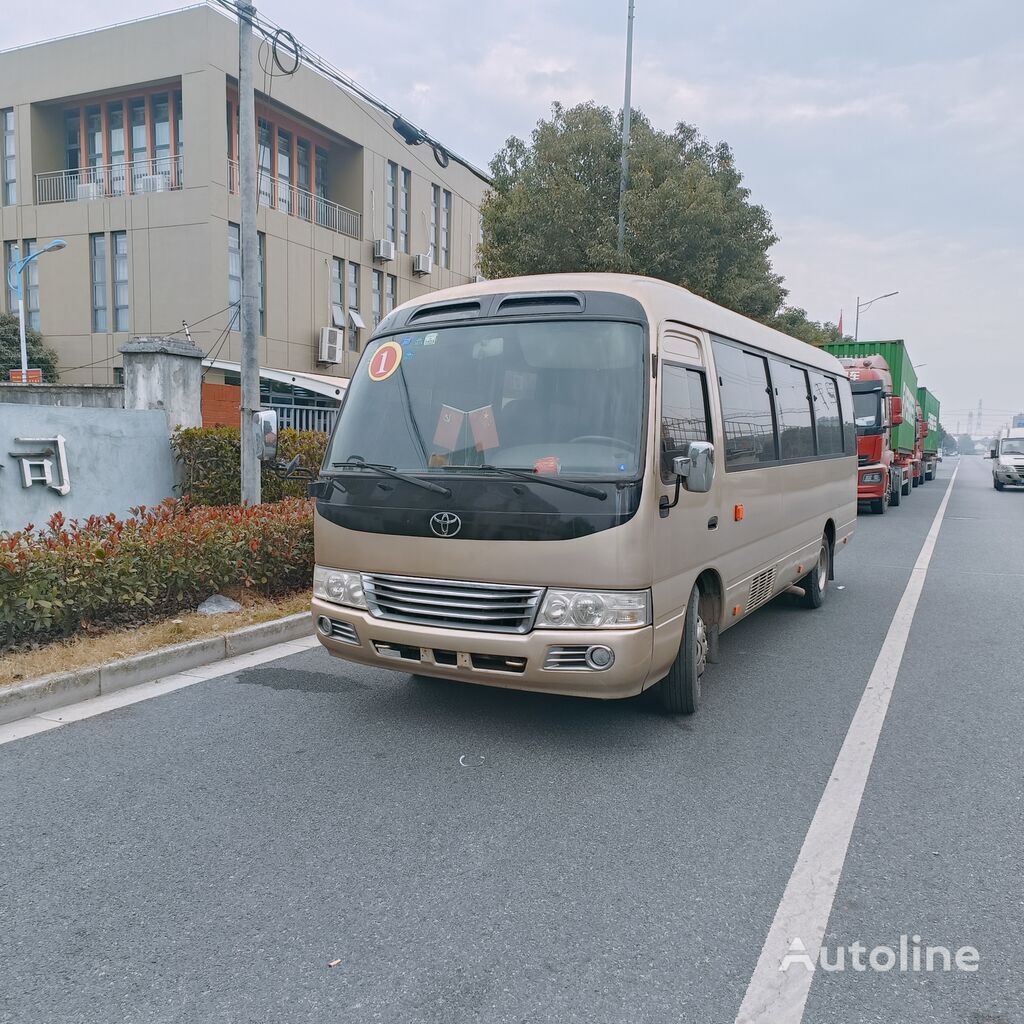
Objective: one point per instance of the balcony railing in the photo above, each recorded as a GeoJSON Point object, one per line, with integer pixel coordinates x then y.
{"type": "Point", "coordinates": [283, 196]}
{"type": "Point", "coordinates": [137, 177]}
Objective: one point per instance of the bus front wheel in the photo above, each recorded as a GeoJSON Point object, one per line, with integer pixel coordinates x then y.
{"type": "Point", "coordinates": [679, 691]}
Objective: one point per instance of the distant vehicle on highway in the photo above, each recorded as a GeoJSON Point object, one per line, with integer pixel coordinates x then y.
{"type": "Point", "coordinates": [574, 483]}
{"type": "Point", "coordinates": [1008, 459]}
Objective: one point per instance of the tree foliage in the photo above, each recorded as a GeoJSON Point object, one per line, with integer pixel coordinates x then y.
{"type": "Point", "coordinates": [794, 321]}
{"type": "Point", "coordinates": [39, 356]}
{"type": "Point", "coordinates": [689, 219]}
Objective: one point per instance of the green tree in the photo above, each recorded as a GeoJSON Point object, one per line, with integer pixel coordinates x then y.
{"type": "Point", "coordinates": [689, 220]}
{"type": "Point", "coordinates": [39, 356]}
{"type": "Point", "coordinates": [794, 321]}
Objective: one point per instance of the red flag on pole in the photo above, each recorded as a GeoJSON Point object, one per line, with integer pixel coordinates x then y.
{"type": "Point", "coordinates": [840, 324]}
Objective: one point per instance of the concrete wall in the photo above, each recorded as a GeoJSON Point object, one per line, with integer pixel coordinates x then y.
{"type": "Point", "coordinates": [114, 459]}
{"type": "Point", "coordinates": [70, 396]}
{"type": "Point", "coordinates": [178, 262]}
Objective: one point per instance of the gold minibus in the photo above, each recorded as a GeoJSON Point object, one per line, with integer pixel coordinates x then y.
{"type": "Point", "coordinates": [574, 483]}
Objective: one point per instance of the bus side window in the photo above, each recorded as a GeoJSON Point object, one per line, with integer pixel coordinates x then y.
{"type": "Point", "coordinates": [684, 414]}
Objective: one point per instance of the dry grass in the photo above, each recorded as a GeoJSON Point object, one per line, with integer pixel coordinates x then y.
{"type": "Point", "coordinates": [87, 651]}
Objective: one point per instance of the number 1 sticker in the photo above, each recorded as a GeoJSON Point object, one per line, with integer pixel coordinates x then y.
{"type": "Point", "coordinates": [385, 361]}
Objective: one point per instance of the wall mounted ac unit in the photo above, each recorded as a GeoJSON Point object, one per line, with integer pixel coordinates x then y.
{"type": "Point", "coordinates": [422, 264]}
{"type": "Point", "coordinates": [383, 250]}
{"type": "Point", "coordinates": [89, 190]}
{"type": "Point", "coordinates": [152, 183]}
{"type": "Point", "coordinates": [331, 339]}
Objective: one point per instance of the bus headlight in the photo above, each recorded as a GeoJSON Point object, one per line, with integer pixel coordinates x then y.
{"type": "Point", "coordinates": [339, 586]}
{"type": "Point", "coordinates": [873, 477]}
{"type": "Point", "coordinates": [591, 609]}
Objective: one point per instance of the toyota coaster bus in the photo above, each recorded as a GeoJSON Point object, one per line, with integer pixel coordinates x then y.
{"type": "Point", "coordinates": [574, 483]}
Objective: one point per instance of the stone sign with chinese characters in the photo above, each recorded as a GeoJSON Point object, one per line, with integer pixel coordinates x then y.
{"type": "Point", "coordinates": [81, 462]}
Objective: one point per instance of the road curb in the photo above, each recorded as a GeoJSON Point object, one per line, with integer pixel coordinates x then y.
{"type": "Point", "coordinates": [45, 693]}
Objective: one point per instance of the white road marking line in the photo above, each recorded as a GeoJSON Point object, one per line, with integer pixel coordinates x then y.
{"type": "Point", "coordinates": [83, 709]}
{"type": "Point", "coordinates": [775, 996]}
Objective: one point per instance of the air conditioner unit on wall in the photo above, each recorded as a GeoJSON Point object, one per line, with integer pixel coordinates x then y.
{"type": "Point", "coordinates": [383, 250]}
{"type": "Point", "coordinates": [422, 264]}
{"type": "Point", "coordinates": [331, 345]}
{"type": "Point", "coordinates": [152, 183]}
{"type": "Point", "coordinates": [89, 190]}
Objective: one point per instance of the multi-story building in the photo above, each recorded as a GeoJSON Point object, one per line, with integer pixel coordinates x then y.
{"type": "Point", "coordinates": [124, 142]}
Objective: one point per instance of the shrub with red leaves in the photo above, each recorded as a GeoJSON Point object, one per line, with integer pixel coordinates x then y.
{"type": "Point", "coordinates": [104, 571]}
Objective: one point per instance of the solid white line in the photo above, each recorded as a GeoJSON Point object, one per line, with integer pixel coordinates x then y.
{"type": "Point", "coordinates": [83, 709]}
{"type": "Point", "coordinates": [776, 996]}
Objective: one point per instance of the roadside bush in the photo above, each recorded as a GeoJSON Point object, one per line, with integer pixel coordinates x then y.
{"type": "Point", "coordinates": [105, 571]}
{"type": "Point", "coordinates": [210, 461]}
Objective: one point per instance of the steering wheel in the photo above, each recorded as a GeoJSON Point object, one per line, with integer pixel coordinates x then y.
{"type": "Point", "coordinates": [601, 437]}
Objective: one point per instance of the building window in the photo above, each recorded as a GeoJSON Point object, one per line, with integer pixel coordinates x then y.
{"type": "Point", "coordinates": [284, 171]}
{"type": "Point", "coordinates": [72, 141]}
{"type": "Point", "coordinates": [262, 280]}
{"type": "Point", "coordinates": [446, 227]}
{"type": "Point", "coordinates": [10, 167]}
{"type": "Point", "coordinates": [115, 123]}
{"type": "Point", "coordinates": [391, 295]}
{"type": "Point", "coordinates": [265, 174]}
{"type": "Point", "coordinates": [179, 118]}
{"type": "Point", "coordinates": [162, 135]}
{"type": "Point", "coordinates": [321, 172]}
{"type": "Point", "coordinates": [302, 177]}
{"type": "Point", "coordinates": [11, 255]}
{"type": "Point", "coordinates": [337, 296]}
{"type": "Point", "coordinates": [353, 305]}
{"type": "Point", "coordinates": [435, 221]}
{"type": "Point", "coordinates": [98, 266]}
{"type": "Point", "coordinates": [378, 287]}
{"type": "Point", "coordinates": [234, 273]}
{"type": "Point", "coordinates": [140, 143]}
{"type": "Point", "coordinates": [119, 248]}
{"type": "Point", "coordinates": [30, 282]}
{"type": "Point", "coordinates": [390, 203]}
{"type": "Point", "coordinates": [403, 210]}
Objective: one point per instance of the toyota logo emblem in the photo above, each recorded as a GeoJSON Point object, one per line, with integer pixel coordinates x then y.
{"type": "Point", "coordinates": [445, 524]}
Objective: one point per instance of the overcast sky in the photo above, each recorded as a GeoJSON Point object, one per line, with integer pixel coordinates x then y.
{"type": "Point", "coordinates": [886, 140]}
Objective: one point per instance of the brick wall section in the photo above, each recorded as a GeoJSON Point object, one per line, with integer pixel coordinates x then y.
{"type": "Point", "coordinates": [221, 405]}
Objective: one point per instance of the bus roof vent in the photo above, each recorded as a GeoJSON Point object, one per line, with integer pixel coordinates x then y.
{"type": "Point", "coordinates": [446, 311]}
{"type": "Point", "coordinates": [538, 302]}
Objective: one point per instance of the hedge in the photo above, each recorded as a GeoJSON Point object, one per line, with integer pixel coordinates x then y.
{"type": "Point", "coordinates": [57, 580]}
{"type": "Point", "coordinates": [209, 457]}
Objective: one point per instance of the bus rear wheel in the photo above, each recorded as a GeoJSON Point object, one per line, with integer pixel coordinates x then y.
{"type": "Point", "coordinates": [679, 691]}
{"type": "Point", "coordinates": [815, 582]}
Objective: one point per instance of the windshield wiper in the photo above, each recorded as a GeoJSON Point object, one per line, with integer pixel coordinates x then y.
{"type": "Point", "coordinates": [355, 462]}
{"type": "Point", "coordinates": [534, 477]}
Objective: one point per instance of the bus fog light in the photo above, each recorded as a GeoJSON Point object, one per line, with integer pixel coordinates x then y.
{"type": "Point", "coordinates": [600, 658]}
{"type": "Point", "coordinates": [588, 609]}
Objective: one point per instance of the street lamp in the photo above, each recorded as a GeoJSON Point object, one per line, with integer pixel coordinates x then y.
{"type": "Point", "coordinates": [866, 305]}
{"type": "Point", "coordinates": [14, 279]}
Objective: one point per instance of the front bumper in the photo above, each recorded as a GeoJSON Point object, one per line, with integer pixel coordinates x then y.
{"type": "Point", "coordinates": [512, 660]}
{"type": "Point", "coordinates": [872, 491]}
{"type": "Point", "coordinates": [1010, 477]}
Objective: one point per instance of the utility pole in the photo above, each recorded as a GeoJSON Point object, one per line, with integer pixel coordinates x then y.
{"type": "Point", "coordinates": [856, 322]}
{"type": "Point", "coordinates": [626, 117]}
{"type": "Point", "coordinates": [249, 306]}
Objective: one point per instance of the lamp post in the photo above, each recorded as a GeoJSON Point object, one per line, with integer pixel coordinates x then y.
{"type": "Point", "coordinates": [866, 305]}
{"type": "Point", "coordinates": [14, 279]}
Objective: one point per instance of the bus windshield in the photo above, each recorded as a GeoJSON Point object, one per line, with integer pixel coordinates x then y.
{"type": "Point", "coordinates": [563, 398]}
{"type": "Point", "coordinates": [867, 408]}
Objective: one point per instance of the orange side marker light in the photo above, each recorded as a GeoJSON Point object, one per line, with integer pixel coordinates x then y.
{"type": "Point", "coordinates": [737, 511]}
{"type": "Point", "coordinates": [737, 609]}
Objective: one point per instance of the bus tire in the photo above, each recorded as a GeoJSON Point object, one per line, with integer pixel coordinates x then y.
{"type": "Point", "coordinates": [878, 506]}
{"type": "Point", "coordinates": [815, 582]}
{"type": "Point", "coordinates": [679, 691]}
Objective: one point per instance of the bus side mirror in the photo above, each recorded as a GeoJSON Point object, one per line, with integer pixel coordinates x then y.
{"type": "Point", "coordinates": [993, 454]}
{"type": "Point", "coordinates": [697, 467]}
{"type": "Point", "coordinates": [897, 411]}
{"type": "Point", "coordinates": [265, 426]}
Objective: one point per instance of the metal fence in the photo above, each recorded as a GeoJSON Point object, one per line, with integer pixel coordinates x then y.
{"type": "Point", "coordinates": [137, 177]}
{"type": "Point", "coordinates": [305, 417]}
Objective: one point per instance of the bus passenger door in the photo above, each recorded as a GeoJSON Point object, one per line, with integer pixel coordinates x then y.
{"type": "Point", "coordinates": [686, 536]}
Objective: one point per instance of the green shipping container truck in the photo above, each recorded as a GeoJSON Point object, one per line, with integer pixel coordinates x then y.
{"type": "Point", "coordinates": [930, 410]}
{"type": "Point", "coordinates": [904, 383]}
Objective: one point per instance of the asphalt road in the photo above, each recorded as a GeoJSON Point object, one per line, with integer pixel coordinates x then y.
{"type": "Point", "coordinates": [205, 855]}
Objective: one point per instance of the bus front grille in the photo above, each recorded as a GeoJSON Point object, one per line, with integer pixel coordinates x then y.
{"type": "Point", "coordinates": [452, 604]}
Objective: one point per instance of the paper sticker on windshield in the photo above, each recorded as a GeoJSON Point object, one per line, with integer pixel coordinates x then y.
{"type": "Point", "coordinates": [385, 361]}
